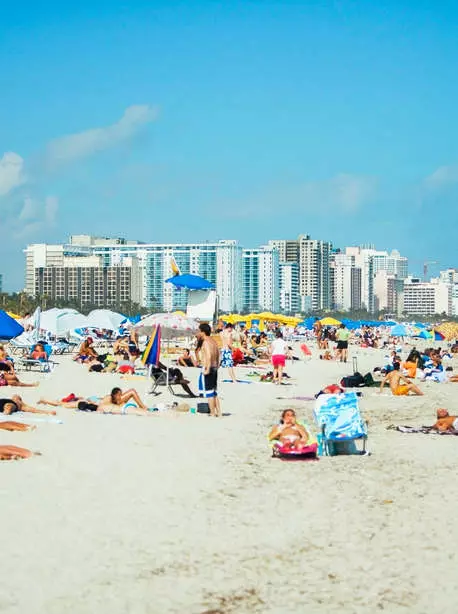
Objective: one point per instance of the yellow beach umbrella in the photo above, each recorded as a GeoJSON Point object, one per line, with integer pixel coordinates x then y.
{"type": "Point", "coordinates": [449, 330]}
{"type": "Point", "coordinates": [179, 313]}
{"type": "Point", "coordinates": [330, 322]}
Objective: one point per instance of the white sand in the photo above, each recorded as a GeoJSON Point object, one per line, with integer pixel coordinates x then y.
{"type": "Point", "coordinates": [182, 513]}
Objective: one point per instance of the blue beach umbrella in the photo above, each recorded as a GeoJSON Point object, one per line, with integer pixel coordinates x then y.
{"type": "Point", "coordinates": [399, 331]}
{"type": "Point", "coordinates": [9, 327]}
{"type": "Point", "coordinates": [191, 282]}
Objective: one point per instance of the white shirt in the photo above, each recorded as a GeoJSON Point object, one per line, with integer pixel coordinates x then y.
{"type": "Point", "coordinates": [278, 347]}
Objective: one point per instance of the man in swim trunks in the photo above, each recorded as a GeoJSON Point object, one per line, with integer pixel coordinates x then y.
{"type": "Point", "coordinates": [399, 384]}
{"type": "Point", "coordinates": [288, 432]}
{"type": "Point", "coordinates": [210, 363]}
{"type": "Point", "coordinates": [445, 422]}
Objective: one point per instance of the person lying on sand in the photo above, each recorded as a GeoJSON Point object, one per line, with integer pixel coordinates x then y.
{"type": "Point", "coordinates": [399, 384]}
{"type": "Point", "coordinates": [288, 432]}
{"type": "Point", "coordinates": [15, 453]}
{"type": "Point", "coordinates": [11, 406]}
{"type": "Point", "coordinates": [8, 374]}
{"type": "Point", "coordinates": [445, 422]}
{"type": "Point", "coordinates": [10, 425]}
{"type": "Point", "coordinates": [117, 402]}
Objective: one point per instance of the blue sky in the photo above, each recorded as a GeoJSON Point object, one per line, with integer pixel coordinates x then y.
{"type": "Point", "coordinates": [185, 121]}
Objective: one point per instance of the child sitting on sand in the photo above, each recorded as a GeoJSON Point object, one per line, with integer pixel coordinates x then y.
{"type": "Point", "coordinates": [288, 432]}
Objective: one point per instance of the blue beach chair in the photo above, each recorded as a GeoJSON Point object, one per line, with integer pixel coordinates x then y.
{"type": "Point", "coordinates": [341, 424]}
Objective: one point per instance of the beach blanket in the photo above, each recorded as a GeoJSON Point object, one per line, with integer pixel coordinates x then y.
{"type": "Point", "coordinates": [25, 417]}
{"type": "Point", "coordinates": [426, 430]}
{"type": "Point", "coordinates": [295, 398]}
{"type": "Point", "coordinates": [239, 381]}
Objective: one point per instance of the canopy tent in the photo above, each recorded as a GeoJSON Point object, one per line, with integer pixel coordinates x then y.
{"type": "Point", "coordinates": [9, 327]}
{"type": "Point", "coordinates": [105, 318]}
{"type": "Point", "coordinates": [190, 282]}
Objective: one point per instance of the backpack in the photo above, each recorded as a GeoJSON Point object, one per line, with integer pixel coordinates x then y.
{"type": "Point", "coordinates": [352, 381]}
{"type": "Point", "coordinates": [369, 380]}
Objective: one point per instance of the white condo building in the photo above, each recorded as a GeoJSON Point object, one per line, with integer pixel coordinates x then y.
{"type": "Point", "coordinates": [289, 287]}
{"type": "Point", "coordinates": [450, 276]}
{"type": "Point", "coordinates": [219, 262]}
{"type": "Point", "coordinates": [261, 274]}
{"type": "Point", "coordinates": [345, 282]}
{"type": "Point", "coordinates": [427, 298]}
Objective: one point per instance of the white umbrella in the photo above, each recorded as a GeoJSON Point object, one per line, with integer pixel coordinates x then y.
{"type": "Point", "coordinates": [48, 319]}
{"type": "Point", "coordinates": [61, 321]}
{"type": "Point", "coordinates": [105, 318]}
{"type": "Point", "coordinates": [172, 325]}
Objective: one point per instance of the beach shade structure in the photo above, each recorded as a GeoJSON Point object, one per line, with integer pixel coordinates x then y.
{"type": "Point", "coordinates": [400, 330]}
{"type": "Point", "coordinates": [13, 315]}
{"type": "Point", "coordinates": [190, 282]}
{"type": "Point", "coordinates": [424, 334]}
{"type": "Point", "coordinates": [61, 321]}
{"type": "Point", "coordinates": [105, 318]}
{"type": "Point", "coordinates": [307, 323]}
{"type": "Point", "coordinates": [330, 322]}
{"type": "Point", "coordinates": [449, 330]}
{"type": "Point", "coordinates": [351, 324]}
{"type": "Point", "coordinates": [438, 336]}
{"type": "Point", "coordinates": [9, 327]}
{"type": "Point", "coordinates": [172, 326]}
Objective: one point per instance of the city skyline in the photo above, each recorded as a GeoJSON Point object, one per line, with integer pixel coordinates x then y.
{"type": "Point", "coordinates": [173, 121]}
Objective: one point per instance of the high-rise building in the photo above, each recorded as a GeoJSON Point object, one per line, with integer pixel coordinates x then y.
{"type": "Point", "coordinates": [346, 280]}
{"type": "Point", "coordinates": [261, 275]}
{"type": "Point", "coordinates": [219, 262]}
{"type": "Point", "coordinates": [450, 276]}
{"type": "Point", "coordinates": [289, 287]}
{"type": "Point", "coordinates": [388, 291]}
{"type": "Point", "coordinates": [312, 258]}
{"type": "Point", "coordinates": [427, 298]}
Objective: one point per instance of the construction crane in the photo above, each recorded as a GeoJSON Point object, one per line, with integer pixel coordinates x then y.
{"type": "Point", "coordinates": [425, 268]}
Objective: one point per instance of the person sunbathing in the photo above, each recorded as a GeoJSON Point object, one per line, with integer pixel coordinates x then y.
{"type": "Point", "coordinates": [399, 384]}
{"type": "Point", "coordinates": [10, 425]}
{"type": "Point", "coordinates": [8, 374]}
{"type": "Point", "coordinates": [14, 453]}
{"type": "Point", "coordinates": [117, 402]}
{"type": "Point", "coordinates": [445, 422]}
{"type": "Point", "coordinates": [289, 433]}
{"type": "Point", "coordinates": [38, 353]}
{"type": "Point", "coordinates": [11, 406]}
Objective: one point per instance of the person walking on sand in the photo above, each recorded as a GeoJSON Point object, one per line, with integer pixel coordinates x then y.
{"type": "Point", "coordinates": [278, 351]}
{"type": "Point", "coordinates": [226, 351]}
{"type": "Point", "coordinates": [399, 384]}
{"type": "Point", "coordinates": [208, 383]}
{"type": "Point", "coordinates": [342, 337]}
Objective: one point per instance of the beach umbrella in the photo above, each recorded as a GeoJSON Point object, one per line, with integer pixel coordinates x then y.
{"type": "Point", "coordinates": [105, 318]}
{"type": "Point", "coordinates": [61, 321]}
{"type": "Point", "coordinates": [152, 350]}
{"type": "Point", "coordinates": [400, 330]}
{"type": "Point", "coordinates": [9, 327]}
{"type": "Point", "coordinates": [449, 330]}
{"type": "Point", "coordinates": [190, 282]}
{"type": "Point", "coordinates": [171, 325]}
{"type": "Point", "coordinates": [424, 334]}
{"type": "Point", "coordinates": [13, 315]}
{"type": "Point", "coordinates": [48, 319]}
{"type": "Point", "coordinates": [330, 322]}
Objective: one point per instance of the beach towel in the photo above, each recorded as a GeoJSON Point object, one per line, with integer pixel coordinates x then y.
{"type": "Point", "coordinates": [25, 417]}
{"type": "Point", "coordinates": [239, 381]}
{"type": "Point", "coordinates": [426, 430]}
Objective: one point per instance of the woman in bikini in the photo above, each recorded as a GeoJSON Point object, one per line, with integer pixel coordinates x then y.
{"type": "Point", "coordinates": [15, 403]}
{"type": "Point", "coordinates": [117, 402]}
{"type": "Point", "coordinates": [289, 433]}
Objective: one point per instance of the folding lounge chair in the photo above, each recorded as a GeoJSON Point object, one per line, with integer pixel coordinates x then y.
{"type": "Point", "coordinates": [160, 379]}
{"type": "Point", "coordinates": [31, 364]}
{"type": "Point", "coordinates": [341, 423]}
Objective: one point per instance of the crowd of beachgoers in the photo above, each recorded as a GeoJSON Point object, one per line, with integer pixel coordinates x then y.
{"type": "Point", "coordinates": [225, 347]}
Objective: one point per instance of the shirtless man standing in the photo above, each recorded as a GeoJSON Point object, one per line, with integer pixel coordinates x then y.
{"type": "Point", "coordinates": [318, 330]}
{"type": "Point", "coordinates": [395, 379]}
{"type": "Point", "coordinates": [210, 363]}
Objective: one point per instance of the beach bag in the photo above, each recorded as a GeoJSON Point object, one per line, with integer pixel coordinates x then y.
{"type": "Point", "coordinates": [369, 380]}
{"type": "Point", "coordinates": [352, 381]}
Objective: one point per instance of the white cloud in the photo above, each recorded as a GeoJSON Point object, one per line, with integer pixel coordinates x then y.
{"type": "Point", "coordinates": [442, 177]}
{"type": "Point", "coordinates": [29, 210]}
{"type": "Point", "coordinates": [34, 216]}
{"type": "Point", "coordinates": [350, 192]}
{"type": "Point", "coordinates": [11, 172]}
{"type": "Point", "coordinates": [83, 144]}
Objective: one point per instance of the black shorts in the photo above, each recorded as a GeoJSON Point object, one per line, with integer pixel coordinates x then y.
{"type": "Point", "coordinates": [208, 383]}
{"type": "Point", "coordinates": [342, 345]}
{"type": "Point", "coordinates": [85, 406]}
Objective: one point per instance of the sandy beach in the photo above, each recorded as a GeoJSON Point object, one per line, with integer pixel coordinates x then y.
{"type": "Point", "coordinates": [184, 513]}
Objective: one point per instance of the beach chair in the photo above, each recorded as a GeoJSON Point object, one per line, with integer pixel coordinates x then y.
{"type": "Point", "coordinates": [165, 378]}
{"type": "Point", "coordinates": [341, 424]}
{"type": "Point", "coordinates": [31, 364]}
